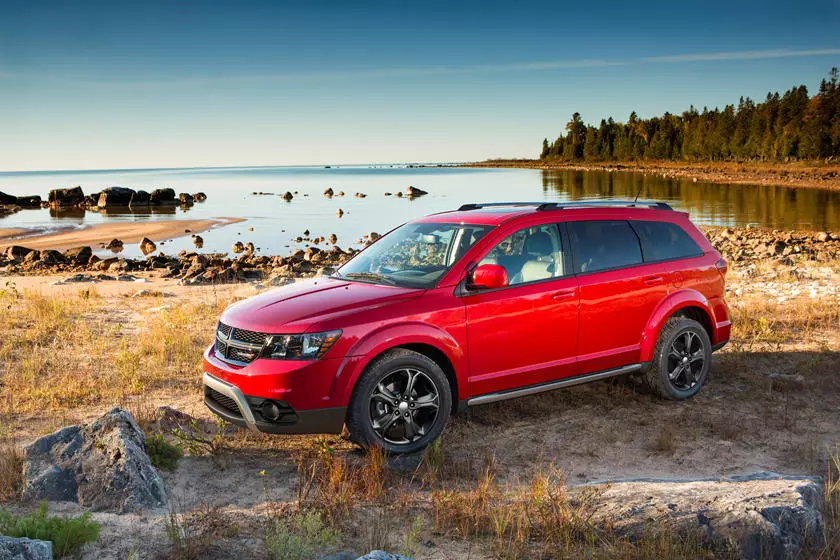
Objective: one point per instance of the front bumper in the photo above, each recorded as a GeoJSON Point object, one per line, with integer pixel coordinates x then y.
{"type": "Point", "coordinates": [231, 404]}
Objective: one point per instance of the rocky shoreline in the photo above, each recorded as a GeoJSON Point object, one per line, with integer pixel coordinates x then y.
{"type": "Point", "coordinates": [746, 173]}
{"type": "Point", "coordinates": [742, 248]}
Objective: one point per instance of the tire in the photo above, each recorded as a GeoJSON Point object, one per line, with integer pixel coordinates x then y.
{"type": "Point", "coordinates": [382, 414]}
{"type": "Point", "coordinates": [677, 373]}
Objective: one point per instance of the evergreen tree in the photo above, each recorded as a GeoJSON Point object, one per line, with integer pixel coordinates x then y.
{"type": "Point", "coordinates": [782, 127]}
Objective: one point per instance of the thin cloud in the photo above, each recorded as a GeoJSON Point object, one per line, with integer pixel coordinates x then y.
{"type": "Point", "coordinates": [741, 55]}
{"type": "Point", "coordinates": [350, 74]}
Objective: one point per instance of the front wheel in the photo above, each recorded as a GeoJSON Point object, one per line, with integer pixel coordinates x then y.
{"type": "Point", "coordinates": [681, 360]}
{"type": "Point", "coordinates": [401, 402]}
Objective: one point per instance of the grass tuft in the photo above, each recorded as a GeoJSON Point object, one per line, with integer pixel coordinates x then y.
{"type": "Point", "coordinates": [67, 534]}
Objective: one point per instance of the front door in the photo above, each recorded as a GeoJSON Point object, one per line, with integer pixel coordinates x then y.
{"type": "Point", "coordinates": [526, 333]}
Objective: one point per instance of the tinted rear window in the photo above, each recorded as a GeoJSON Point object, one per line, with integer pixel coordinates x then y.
{"type": "Point", "coordinates": [663, 241]}
{"type": "Point", "coordinates": [602, 245]}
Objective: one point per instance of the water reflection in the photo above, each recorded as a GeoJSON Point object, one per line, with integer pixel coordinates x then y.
{"type": "Point", "coordinates": [710, 203]}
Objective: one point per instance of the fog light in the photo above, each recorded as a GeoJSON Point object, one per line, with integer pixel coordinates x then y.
{"type": "Point", "coordinates": [270, 411]}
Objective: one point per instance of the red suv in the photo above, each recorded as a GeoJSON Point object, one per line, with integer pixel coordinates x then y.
{"type": "Point", "coordinates": [477, 305]}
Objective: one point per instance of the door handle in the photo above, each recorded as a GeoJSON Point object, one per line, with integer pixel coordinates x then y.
{"type": "Point", "coordinates": [564, 294]}
{"type": "Point", "coordinates": [653, 280]}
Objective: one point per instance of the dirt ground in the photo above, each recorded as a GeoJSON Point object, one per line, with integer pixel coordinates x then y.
{"type": "Point", "coordinates": [772, 403]}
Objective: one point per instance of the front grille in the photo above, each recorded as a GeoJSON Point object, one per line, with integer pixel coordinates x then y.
{"type": "Point", "coordinates": [224, 401]}
{"type": "Point", "coordinates": [238, 345]}
{"type": "Point", "coordinates": [241, 355]}
{"type": "Point", "coordinates": [250, 337]}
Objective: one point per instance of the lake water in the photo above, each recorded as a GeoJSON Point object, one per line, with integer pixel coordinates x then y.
{"type": "Point", "coordinates": [276, 222]}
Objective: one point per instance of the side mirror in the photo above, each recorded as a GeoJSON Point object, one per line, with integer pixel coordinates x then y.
{"type": "Point", "coordinates": [489, 277]}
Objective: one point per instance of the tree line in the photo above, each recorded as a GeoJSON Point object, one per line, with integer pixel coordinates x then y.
{"type": "Point", "coordinates": [784, 127]}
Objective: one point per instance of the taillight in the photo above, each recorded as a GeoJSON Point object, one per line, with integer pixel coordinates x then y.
{"type": "Point", "coordinates": [722, 266]}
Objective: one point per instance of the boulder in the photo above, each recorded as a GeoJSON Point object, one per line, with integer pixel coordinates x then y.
{"type": "Point", "coordinates": [7, 199]}
{"type": "Point", "coordinates": [287, 196]}
{"type": "Point", "coordinates": [31, 201]}
{"type": "Point", "coordinates": [329, 192]}
{"type": "Point", "coordinates": [52, 257]}
{"type": "Point", "coordinates": [115, 245]}
{"type": "Point", "coordinates": [185, 198]}
{"type": "Point", "coordinates": [162, 196]}
{"type": "Point", "coordinates": [79, 255]}
{"type": "Point", "coordinates": [139, 198]}
{"type": "Point", "coordinates": [238, 247]}
{"type": "Point", "coordinates": [16, 252]}
{"type": "Point", "coordinates": [66, 197]}
{"type": "Point", "coordinates": [414, 192]}
{"type": "Point", "coordinates": [198, 241]}
{"type": "Point", "coordinates": [199, 197]}
{"type": "Point", "coordinates": [24, 549]}
{"type": "Point", "coordinates": [764, 514]}
{"type": "Point", "coordinates": [147, 246]}
{"type": "Point", "coordinates": [101, 465]}
{"type": "Point", "coordinates": [115, 196]}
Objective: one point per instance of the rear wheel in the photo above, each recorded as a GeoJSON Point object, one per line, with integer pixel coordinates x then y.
{"type": "Point", "coordinates": [681, 360]}
{"type": "Point", "coordinates": [401, 402]}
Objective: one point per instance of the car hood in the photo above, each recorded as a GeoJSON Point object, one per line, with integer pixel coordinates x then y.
{"type": "Point", "coordinates": [295, 307]}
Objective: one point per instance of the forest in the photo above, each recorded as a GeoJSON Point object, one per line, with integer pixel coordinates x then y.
{"type": "Point", "coordinates": [787, 127]}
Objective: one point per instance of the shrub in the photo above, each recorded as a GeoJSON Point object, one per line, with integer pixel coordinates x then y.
{"type": "Point", "coordinates": [163, 454]}
{"type": "Point", "coordinates": [67, 534]}
{"type": "Point", "coordinates": [299, 537]}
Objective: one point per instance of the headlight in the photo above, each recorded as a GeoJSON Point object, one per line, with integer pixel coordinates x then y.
{"type": "Point", "coordinates": [299, 346]}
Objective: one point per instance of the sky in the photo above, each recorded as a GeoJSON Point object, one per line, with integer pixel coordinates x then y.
{"type": "Point", "coordinates": [112, 85]}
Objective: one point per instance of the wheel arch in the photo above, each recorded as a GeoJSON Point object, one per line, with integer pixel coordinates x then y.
{"type": "Point", "coordinates": [426, 340]}
{"type": "Point", "coordinates": [684, 303]}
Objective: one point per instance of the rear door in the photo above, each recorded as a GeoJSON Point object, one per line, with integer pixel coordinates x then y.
{"type": "Point", "coordinates": [618, 292]}
{"type": "Point", "coordinates": [526, 333]}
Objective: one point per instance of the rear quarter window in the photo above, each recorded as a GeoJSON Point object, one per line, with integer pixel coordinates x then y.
{"type": "Point", "coordinates": [662, 241]}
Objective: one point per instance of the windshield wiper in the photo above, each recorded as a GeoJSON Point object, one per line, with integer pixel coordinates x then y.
{"type": "Point", "coordinates": [370, 276]}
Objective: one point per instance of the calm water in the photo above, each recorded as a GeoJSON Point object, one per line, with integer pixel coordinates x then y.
{"type": "Point", "coordinates": [276, 222]}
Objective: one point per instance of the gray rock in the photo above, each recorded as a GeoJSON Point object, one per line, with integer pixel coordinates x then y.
{"type": "Point", "coordinates": [147, 246]}
{"type": "Point", "coordinates": [162, 196]}
{"type": "Point", "coordinates": [382, 555]}
{"type": "Point", "coordinates": [764, 515]}
{"type": "Point", "coordinates": [140, 198]}
{"type": "Point", "coordinates": [115, 196]}
{"type": "Point", "coordinates": [79, 255]}
{"type": "Point", "coordinates": [24, 549]}
{"type": "Point", "coordinates": [102, 465]}
{"type": "Point", "coordinates": [66, 197]}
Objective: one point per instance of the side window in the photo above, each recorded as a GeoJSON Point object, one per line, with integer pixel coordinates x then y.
{"type": "Point", "coordinates": [529, 255]}
{"type": "Point", "coordinates": [663, 240]}
{"type": "Point", "coordinates": [603, 244]}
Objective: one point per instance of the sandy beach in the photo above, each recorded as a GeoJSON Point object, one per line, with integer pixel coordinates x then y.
{"type": "Point", "coordinates": [127, 232]}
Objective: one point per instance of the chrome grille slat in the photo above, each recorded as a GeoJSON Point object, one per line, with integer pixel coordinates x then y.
{"type": "Point", "coordinates": [238, 346]}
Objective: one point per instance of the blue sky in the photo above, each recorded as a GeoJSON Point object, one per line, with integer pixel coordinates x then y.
{"type": "Point", "coordinates": [122, 84]}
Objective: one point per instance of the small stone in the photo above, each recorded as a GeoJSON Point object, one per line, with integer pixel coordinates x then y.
{"type": "Point", "coordinates": [238, 247]}
{"type": "Point", "coordinates": [287, 196]}
{"type": "Point", "coordinates": [339, 212]}
{"type": "Point", "coordinates": [147, 246]}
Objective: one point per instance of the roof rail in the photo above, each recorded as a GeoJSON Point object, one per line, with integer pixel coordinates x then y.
{"type": "Point", "coordinates": [476, 206]}
{"type": "Point", "coordinates": [542, 206]}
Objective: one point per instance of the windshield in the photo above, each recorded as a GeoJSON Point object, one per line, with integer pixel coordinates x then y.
{"type": "Point", "coordinates": [415, 255]}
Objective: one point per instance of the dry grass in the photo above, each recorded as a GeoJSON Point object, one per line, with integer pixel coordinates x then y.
{"type": "Point", "coordinates": [11, 470]}
{"type": "Point", "coordinates": [77, 351]}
